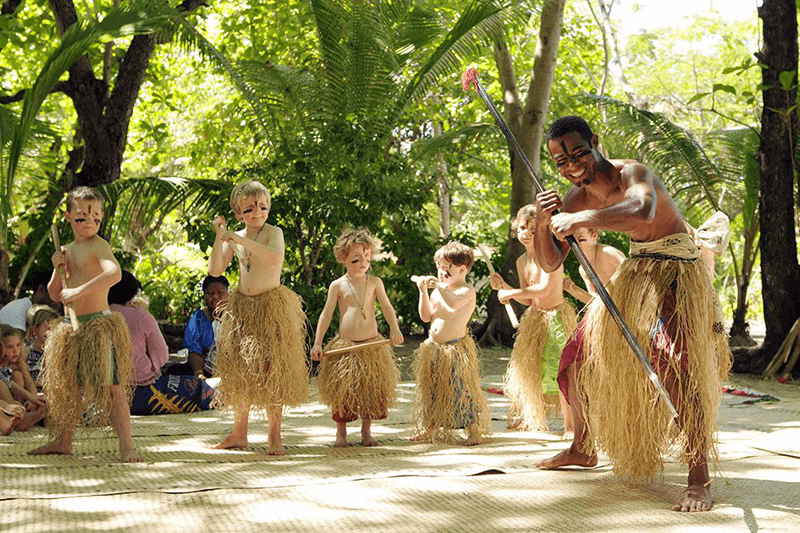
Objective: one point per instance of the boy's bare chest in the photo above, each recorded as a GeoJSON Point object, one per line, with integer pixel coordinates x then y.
{"type": "Point", "coordinates": [83, 264]}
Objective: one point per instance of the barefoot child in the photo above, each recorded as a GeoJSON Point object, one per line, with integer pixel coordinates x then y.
{"type": "Point", "coordinates": [13, 414]}
{"type": "Point", "coordinates": [22, 386]}
{"type": "Point", "coordinates": [261, 356]}
{"type": "Point", "coordinates": [448, 395]}
{"type": "Point", "coordinates": [363, 382]}
{"type": "Point", "coordinates": [543, 331]}
{"type": "Point", "coordinates": [604, 259]}
{"type": "Point", "coordinates": [86, 373]}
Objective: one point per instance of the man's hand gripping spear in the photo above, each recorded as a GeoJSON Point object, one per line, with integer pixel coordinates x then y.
{"type": "Point", "coordinates": [469, 78]}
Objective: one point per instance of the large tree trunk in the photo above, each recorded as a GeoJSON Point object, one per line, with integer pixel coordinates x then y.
{"type": "Point", "coordinates": [528, 127]}
{"type": "Point", "coordinates": [780, 272]}
{"type": "Point", "coordinates": [443, 185]}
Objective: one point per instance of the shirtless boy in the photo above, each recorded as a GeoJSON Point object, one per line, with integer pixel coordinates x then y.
{"type": "Point", "coordinates": [86, 373]}
{"type": "Point", "coordinates": [261, 357]}
{"type": "Point", "coordinates": [633, 427]}
{"type": "Point", "coordinates": [604, 259]}
{"type": "Point", "coordinates": [542, 333]}
{"type": "Point", "coordinates": [448, 394]}
{"type": "Point", "coordinates": [363, 382]}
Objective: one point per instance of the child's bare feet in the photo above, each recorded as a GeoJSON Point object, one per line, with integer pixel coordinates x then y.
{"type": "Point", "coordinates": [54, 448]}
{"type": "Point", "coordinates": [473, 435]}
{"type": "Point", "coordinates": [130, 456]}
{"type": "Point", "coordinates": [695, 499]}
{"type": "Point", "coordinates": [232, 442]}
{"type": "Point", "coordinates": [275, 449]}
{"type": "Point", "coordinates": [422, 436]}
{"type": "Point", "coordinates": [368, 440]}
{"type": "Point", "coordinates": [568, 457]}
{"type": "Point", "coordinates": [513, 424]}
{"type": "Point", "coordinates": [8, 423]}
{"type": "Point", "coordinates": [341, 435]}
{"type": "Point", "coordinates": [30, 418]}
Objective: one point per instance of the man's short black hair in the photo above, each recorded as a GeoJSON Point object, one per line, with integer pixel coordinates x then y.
{"type": "Point", "coordinates": [124, 291]}
{"type": "Point", "coordinates": [565, 125]}
{"type": "Point", "coordinates": [208, 280]}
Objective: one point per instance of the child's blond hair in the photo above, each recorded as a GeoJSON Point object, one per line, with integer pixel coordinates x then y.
{"type": "Point", "coordinates": [525, 215]}
{"type": "Point", "coordinates": [84, 193]}
{"type": "Point", "coordinates": [40, 316]}
{"type": "Point", "coordinates": [352, 237]}
{"type": "Point", "coordinates": [10, 331]}
{"type": "Point", "coordinates": [455, 253]}
{"type": "Point", "coordinates": [248, 189]}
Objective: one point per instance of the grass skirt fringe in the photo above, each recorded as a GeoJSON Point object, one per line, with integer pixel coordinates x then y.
{"type": "Point", "coordinates": [79, 368]}
{"type": "Point", "coordinates": [533, 367]}
{"type": "Point", "coordinates": [361, 383]}
{"type": "Point", "coordinates": [626, 418]}
{"type": "Point", "coordinates": [261, 357]}
{"type": "Point", "coordinates": [448, 394]}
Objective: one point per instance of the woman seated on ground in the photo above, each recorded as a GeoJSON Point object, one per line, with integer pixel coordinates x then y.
{"type": "Point", "coordinates": [154, 394]}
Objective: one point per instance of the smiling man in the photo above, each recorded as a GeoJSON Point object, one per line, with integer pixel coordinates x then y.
{"type": "Point", "coordinates": [666, 298]}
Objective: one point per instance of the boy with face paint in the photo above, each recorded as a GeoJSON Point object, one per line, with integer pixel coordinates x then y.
{"type": "Point", "coordinates": [261, 352]}
{"type": "Point", "coordinates": [364, 382]}
{"type": "Point", "coordinates": [448, 393]}
{"type": "Point", "coordinates": [668, 302]}
{"type": "Point", "coordinates": [86, 374]}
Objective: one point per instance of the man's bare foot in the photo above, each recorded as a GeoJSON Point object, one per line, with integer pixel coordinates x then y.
{"type": "Point", "coordinates": [130, 456]}
{"type": "Point", "coordinates": [568, 458]}
{"type": "Point", "coordinates": [232, 442]}
{"type": "Point", "coordinates": [30, 418]}
{"type": "Point", "coordinates": [276, 449]}
{"type": "Point", "coordinates": [54, 448]}
{"type": "Point", "coordinates": [695, 499]}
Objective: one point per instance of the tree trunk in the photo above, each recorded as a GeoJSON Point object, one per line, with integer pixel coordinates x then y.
{"type": "Point", "coordinates": [443, 199]}
{"type": "Point", "coordinates": [528, 127]}
{"type": "Point", "coordinates": [780, 272]}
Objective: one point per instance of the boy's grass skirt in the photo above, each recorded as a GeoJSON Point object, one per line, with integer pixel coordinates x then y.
{"type": "Point", "coordinates": [533, 366]}
{"type": "Point", "coordinates": [448, 395]}
{"type": "Point", "coordinates": [361, 383]}
{"type": "Point", "coordinates": [690, 352]}
{"type": "Point", "coordinates": [80, 367]}
{"type": "Point", "coordinates": [261, 356]}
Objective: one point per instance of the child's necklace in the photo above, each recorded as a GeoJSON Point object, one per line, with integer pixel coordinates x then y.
{"type": "Point", "coordinates": [247, 253]}
{"type": "Point", "coordinates": [355, 295]}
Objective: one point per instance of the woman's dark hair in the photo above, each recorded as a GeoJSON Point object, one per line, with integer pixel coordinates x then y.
{"type": "Point", "coordinates": [124, 291]}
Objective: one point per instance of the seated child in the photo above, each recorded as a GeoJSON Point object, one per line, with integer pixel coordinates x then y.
{"type": "Point", "coordinates": [543, 331]}
{"type": "Point", "coordinates": [85, 373]}
{"type": "Point", "coordinates": [448, 395]}
{"type": "Point", "coordinates": [604, 259]}
{"type": "Point", "coordinates": [361, 382]}
{"type": "Point", "coordinates": [43, 319]}
{"type": "Point", "coordinates": [21, 385]}
{"type": "Point", "coordinates": [261, 356]}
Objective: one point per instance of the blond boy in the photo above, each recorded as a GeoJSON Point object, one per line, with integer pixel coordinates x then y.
{"type": "Point", "coordinates": [363, 382]}
{"type": "Point", "coordinates": [543, 331]}
{"type": "Point", "coordinates": [604, 259]}
{"type": "Point", "coordinates": [448, 395]}
{"type": "Point", "coordinates": [86, 372]}
{"type": "Point", "coordinates": [261, 357]}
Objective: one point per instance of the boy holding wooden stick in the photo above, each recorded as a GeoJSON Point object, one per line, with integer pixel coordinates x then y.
{"type": "Point", "coordinates": [362, 381]}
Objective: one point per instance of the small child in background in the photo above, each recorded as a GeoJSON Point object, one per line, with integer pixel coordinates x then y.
{"type": "Point", "coordinates": [448, 394]}
{"type": "Point", "coordinates": [543, 332]}
{"type": "Point", "coordinates": [261, 357]}
{"type": "Point", "coordinates": [361, 383]}
{"type": "Point", "coordinates": [43, 319]}
{"type": "Point", "coordinates": [604, 259]}
{"type": "Point", "coordinates": [14, 372]}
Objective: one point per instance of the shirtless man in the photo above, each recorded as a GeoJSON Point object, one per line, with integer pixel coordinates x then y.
{"type": "Point", "coordinates": [625, 196]}
{"type": "Point", "coordinates": [261, 357]}
{"type": "Point", "coordinates": [448, 394]}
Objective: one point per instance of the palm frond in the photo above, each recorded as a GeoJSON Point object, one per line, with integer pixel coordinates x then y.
{"type": "Point", "coordinates": [671, 151]}
{"type": "Point", "coordinates": [455, 138]}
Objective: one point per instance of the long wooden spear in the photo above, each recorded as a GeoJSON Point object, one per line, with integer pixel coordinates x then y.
{"type": "Point", "coordinates": [470, 77]}
{"type": "Point", "coordinates": [73, 319]}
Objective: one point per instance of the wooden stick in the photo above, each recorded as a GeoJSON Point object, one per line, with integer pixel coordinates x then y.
{"type": "Point", "coordinates": [358, 346]}
{"type": "Point", "coordinates": [239, 255]}
{"type": "Point", "coordinates": [512, 316]}
{"type": "Point", "coordinates": [73, 319]}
